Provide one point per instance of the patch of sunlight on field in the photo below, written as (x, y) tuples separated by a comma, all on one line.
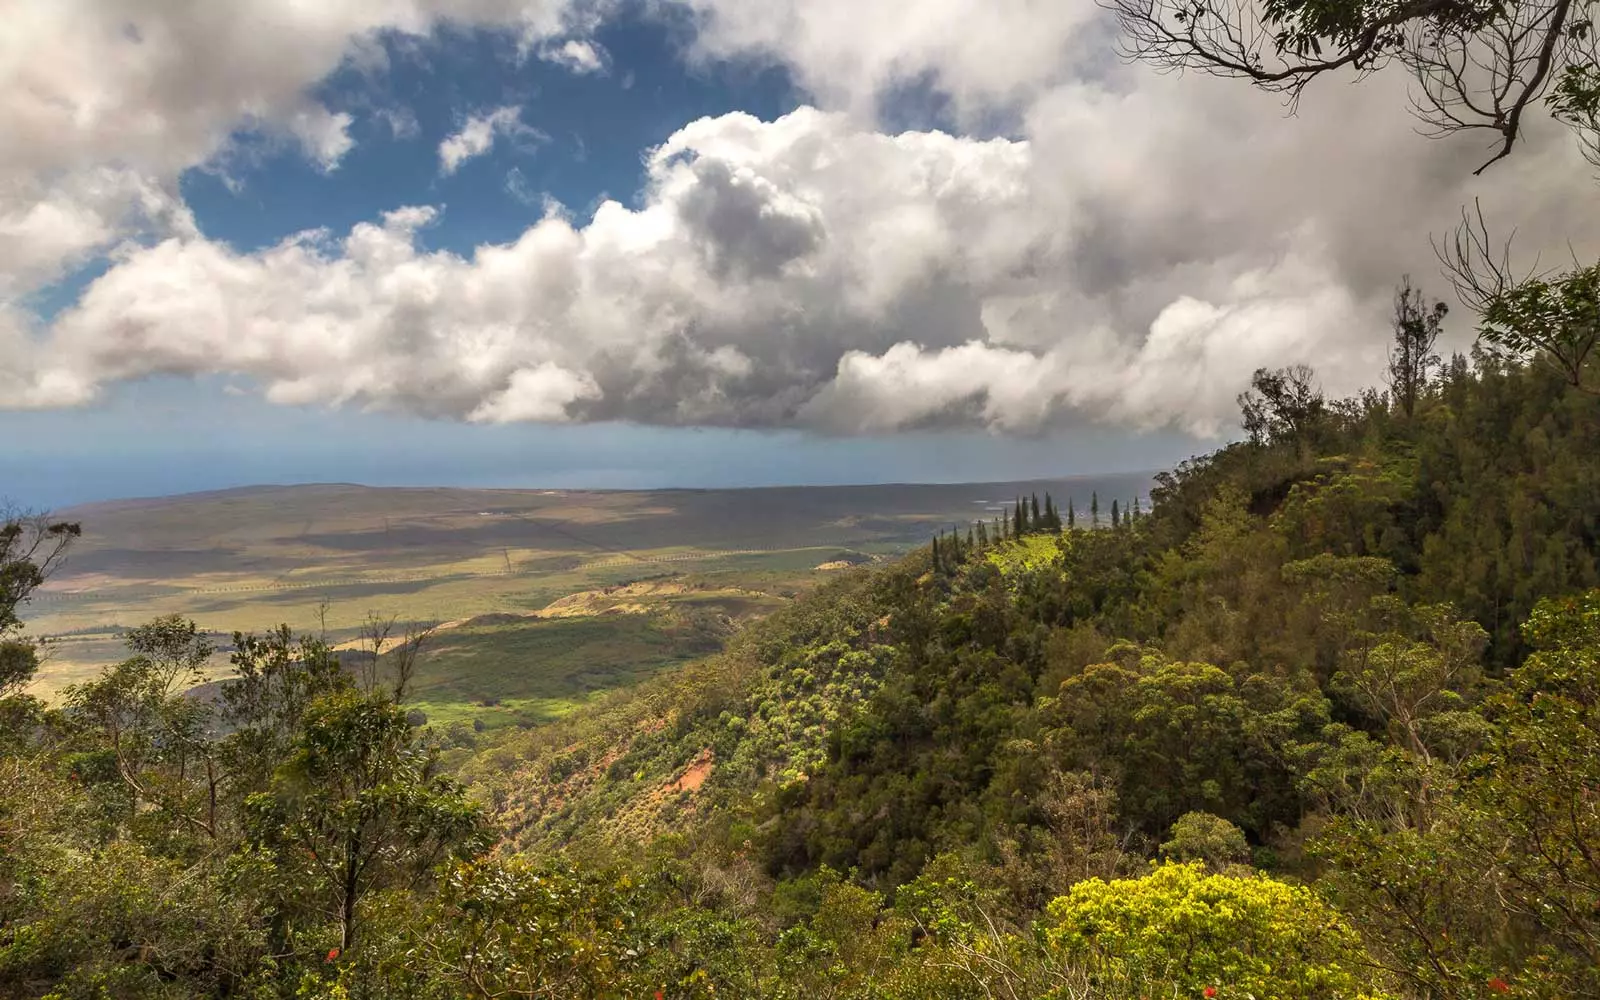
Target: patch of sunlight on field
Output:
[(534, 670)]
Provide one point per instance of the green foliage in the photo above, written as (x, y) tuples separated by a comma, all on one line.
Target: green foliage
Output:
[(30, 547), (356, 807), (1182, 932), (1200, 836), (1360, 653), (1556, 320), (520, 929)]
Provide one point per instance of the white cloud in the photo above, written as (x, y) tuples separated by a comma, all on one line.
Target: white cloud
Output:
[(579, 55), (541, 393), (851, 53), (103, 105), (1131, 255), (477, 136), (323, 135), (803, 271)]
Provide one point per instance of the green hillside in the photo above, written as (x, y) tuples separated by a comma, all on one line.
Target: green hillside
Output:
[(1324, 722)]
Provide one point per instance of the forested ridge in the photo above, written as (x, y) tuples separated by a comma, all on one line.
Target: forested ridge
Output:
[(1323, 722)]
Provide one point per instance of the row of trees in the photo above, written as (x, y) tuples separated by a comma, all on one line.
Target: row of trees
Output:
[(1027, 517)]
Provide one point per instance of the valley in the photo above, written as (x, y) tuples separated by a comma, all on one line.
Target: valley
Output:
[(542, 598)]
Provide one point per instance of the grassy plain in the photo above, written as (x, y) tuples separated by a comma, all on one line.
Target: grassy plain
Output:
[(322, 558)]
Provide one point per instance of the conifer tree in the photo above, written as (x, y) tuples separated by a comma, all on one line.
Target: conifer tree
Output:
[(1072, 516), (972, 543), (1034, 519), (983, 535), (1116, 519), (937, 568), (1020, 527), (1094, 510), (1135, 513)]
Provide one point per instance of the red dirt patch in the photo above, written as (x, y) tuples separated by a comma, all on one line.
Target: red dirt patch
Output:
[(696, 775)]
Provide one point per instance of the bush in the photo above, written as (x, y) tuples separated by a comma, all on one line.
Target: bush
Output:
[(1180, 931)]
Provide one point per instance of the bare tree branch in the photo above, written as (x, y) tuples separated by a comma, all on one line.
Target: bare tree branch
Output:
[(1479, 65)]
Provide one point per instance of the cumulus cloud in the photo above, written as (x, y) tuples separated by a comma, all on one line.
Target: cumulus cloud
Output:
[(103, 105), (477, 136), (807, 271), (982, 54), (1130, 253)]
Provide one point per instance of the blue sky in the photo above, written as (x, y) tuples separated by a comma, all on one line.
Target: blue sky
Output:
[(683, 242)]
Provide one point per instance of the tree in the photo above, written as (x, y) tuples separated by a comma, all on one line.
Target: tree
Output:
[(511, 929), (1094, 510), (160, 740), (1533, 800), (1072, 515), (31, 546), (1411, 668), (357, 806), (1551, 318), (1182, 932), (1411, 357), (1033, 513), (1479, 66), (1021, 519), (1282, 406), (938, 565), (1200, 836), (400, 654), (1116, 515), (1515, 823)]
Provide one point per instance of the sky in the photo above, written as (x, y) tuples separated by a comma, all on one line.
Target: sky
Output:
[(633, 243)]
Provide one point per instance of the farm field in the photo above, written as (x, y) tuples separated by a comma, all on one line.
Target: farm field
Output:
[(546, 596)]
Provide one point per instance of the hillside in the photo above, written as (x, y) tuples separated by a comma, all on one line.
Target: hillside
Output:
[(1322, 723), (1307, 633)]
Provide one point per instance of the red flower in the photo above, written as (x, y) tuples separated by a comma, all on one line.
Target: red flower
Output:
[(1209, 991), (1499, 985), (660, 995), (333, 953)]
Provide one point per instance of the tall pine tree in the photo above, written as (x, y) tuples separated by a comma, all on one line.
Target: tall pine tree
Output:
[(937, 566), (1116, 519), (1072, 515), (1094, 509), (1034, 518)]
